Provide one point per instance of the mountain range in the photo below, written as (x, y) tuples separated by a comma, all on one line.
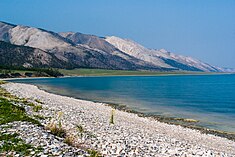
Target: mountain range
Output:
[(34, 47)]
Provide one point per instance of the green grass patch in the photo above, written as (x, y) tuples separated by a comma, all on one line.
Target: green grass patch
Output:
[(80, 128), (94, 153), (38, 101), (10, 113), (4, 93), (12, 143), (104, 72), (36, 108), (28, 103)]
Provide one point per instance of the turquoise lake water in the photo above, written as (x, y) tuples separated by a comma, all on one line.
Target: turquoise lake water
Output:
[(208, 98)]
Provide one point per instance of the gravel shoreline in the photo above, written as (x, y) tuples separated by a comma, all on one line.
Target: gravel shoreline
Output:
[(130, 135)]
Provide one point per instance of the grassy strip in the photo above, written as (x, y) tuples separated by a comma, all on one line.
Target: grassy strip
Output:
[(12, 143), (36, 108), (5, 94), (10, 113), (104, 72)]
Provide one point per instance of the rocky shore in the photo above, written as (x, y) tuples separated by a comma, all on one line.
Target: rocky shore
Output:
[(111, 132)]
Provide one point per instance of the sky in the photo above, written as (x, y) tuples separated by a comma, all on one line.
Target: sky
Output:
[(203, 29)]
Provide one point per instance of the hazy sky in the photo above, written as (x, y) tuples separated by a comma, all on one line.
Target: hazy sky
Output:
[(204, 29)]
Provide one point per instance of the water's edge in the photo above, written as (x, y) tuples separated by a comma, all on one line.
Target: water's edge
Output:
[(187, 123)]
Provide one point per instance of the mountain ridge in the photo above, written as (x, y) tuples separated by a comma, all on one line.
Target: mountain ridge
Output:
[(90, 51)]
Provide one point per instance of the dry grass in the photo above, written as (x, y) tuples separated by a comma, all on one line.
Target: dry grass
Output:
[(70, 140), (56, 130)]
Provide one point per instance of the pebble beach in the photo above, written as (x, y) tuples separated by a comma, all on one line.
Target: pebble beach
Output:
[(128, 135)]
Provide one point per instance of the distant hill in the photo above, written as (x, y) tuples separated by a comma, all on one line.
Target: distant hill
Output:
[(35, 47), (13, 55), (161, 57)]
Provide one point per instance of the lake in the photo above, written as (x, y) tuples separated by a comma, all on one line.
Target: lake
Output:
[(207, 98)]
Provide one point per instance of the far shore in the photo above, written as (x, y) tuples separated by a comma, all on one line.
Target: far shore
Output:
[(114, 75)]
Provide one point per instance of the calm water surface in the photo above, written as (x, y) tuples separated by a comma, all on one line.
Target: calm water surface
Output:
[(208, 98)]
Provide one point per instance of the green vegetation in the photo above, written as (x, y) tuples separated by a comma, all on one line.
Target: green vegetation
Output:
[(25, 101), (38, 101), (80, 130), (10, 113), (104, 72), (51, 72), (12, 143), (93, 153), (15, 99), (4, 93), (36, 108), (15, 71)]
